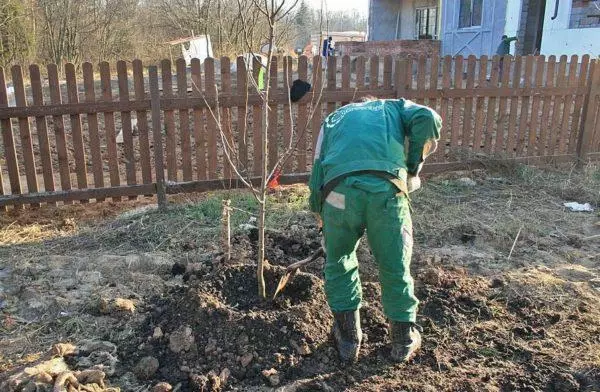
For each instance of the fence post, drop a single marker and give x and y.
(159, 165)
(590, 106)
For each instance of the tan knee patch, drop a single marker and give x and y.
(337, 200)
(407, 238)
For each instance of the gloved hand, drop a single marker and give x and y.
(413, 183)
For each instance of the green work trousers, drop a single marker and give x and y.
(367, 202)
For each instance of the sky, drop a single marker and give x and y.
(336, 5)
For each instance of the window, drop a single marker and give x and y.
(427, 21)
(470, 13)
(584, 14)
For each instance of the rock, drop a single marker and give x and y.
(124, 305)
(146, 368)
(162, 387)
(301, 348)
(91, 376)
(181, 340)
(432, 277)
(89, 346)
(466, 181)
(246, 359)
(242, 340)
(63, 349)
(211, 346)
(158, 333)
(272, 376)
(224, 376)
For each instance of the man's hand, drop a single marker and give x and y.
(414, 183)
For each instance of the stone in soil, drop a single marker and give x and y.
(146, 368)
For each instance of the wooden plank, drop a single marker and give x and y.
(273, 130)
(287, 114)
(77, 194)
(576, 122)
(142, 122)
(226, 120)
(42, 128)
(76, 133)
(242, 112)
(480, 105)
(184, 121)
(556, 131)
(433, 81)
(257, 121)
(302, 121)
(468, 113)
(360, 73)
(535, 107)
(171, 132)
(94, 134)
(421, 75)
(585, 137)
(523, 121)
(502, 115)
(10, 152)
(109, 125)
(569, 101)
(491, 108)
(25, 133)
(198, 115)
(514, 102)
(159, 162)
(542, 142)
(374, 72)
(457, 103)
(318, 85)
(59, 130)
(126, 128)
(445, 107)
(331, 81)
(387, 71)
(346, 75)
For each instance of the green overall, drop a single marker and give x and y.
(370, 137)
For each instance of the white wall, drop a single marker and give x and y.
(513, 17)
(558, 39)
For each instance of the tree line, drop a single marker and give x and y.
(60, 31)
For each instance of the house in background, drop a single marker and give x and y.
(466, 27)
(404, 20)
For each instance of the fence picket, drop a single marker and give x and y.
(374, 72)
(273, 131)
(387, 72)
(480, 105)
(514, 102)
(94, 132)
(257, 120)
(491, 108)
(457, 103)
(302, 122)
(360, 73)
(171, 134)
(126, 127)
(198, 115)
(535, 107)
(287, 117)
(142, 122)
(42, 129)
(76, 132)
(556, 131)
(577, 121)
(226, 120)
(468, 113)
(109, 124)
(318, 86)
(546, 103)
(522, 132)
(25, 133)
(421, 74)
(242, 114)
(433, 80)
(331, 81)
(346, 75)
(502, 115)
(565, 144)
(184, 120)
(10, 152)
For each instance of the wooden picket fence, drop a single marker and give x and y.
(527, 109)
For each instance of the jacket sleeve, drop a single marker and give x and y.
(317, 177)
(422, 127)
(510, 39)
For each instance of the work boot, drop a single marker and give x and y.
(347, 334)
(406, 340)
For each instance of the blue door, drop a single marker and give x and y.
(472, 26)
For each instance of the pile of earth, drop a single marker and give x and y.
(213, 333)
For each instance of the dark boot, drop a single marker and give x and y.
(347, 334)
(406, 340)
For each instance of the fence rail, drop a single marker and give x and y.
(96, 133)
